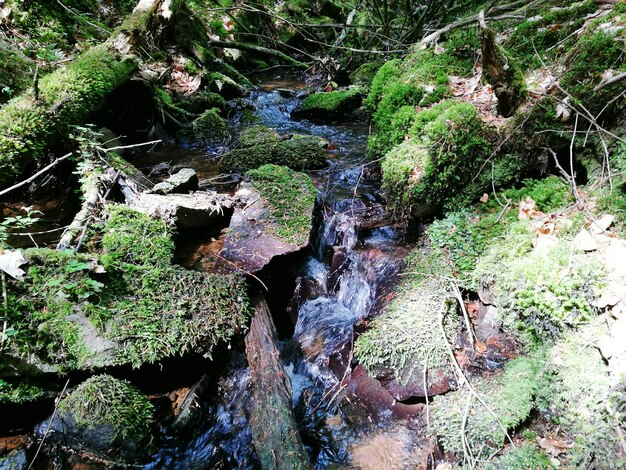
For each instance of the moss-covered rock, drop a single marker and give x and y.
(129, 305)
(333, 106)
(202, 101)
(290, 197)
(108, 416)
(405, 339)
(426, 172)
(364, 75)
(217, 82)
(210, 127)
(260, 145)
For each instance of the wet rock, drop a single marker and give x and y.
(439, 382)
(161, 169)
(369, 393)
(338, 264)
(486, 325)
(184, 181)
(333, 106)
(199, 209)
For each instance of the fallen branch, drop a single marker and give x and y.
(611, 81)
(39, 173)
(260, 49)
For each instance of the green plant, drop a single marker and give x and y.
(524, 457)
(19, 393)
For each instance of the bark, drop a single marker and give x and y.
(502, 73)
(274, 432)
(32, 121)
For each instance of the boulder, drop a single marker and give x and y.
(260, 145)
(333, 106)
(273, 217)
(199, 209)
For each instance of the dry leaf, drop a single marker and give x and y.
(484, 198)
(10, 262)
(553, 446)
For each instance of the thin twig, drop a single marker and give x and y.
(54, 413)
(39, 173)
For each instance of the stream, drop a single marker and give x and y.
(341, 280)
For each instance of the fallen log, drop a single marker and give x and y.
(260, 50)
(32, 121)
(274, 432)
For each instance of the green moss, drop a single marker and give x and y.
(203, 101)
(15, 72)
(404, 339)
(19, 393)
(577, 393)
(466, 235)
(594, 54)
(260, 145)
(543, 293)
(524, 457)
(210, 126)
(333, 105)
(66, 97)
(104, 401)
(426, 172)
(364, 75)
(510, 396)
(127, 306)
(290, 196)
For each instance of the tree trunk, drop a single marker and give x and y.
(274, 432)
(31, 121)
(501, 72)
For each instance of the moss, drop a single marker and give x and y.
(66, 97)
(290, 196)
(403, 83)
(203, 101)
(591, 57)
(210, 126)
(526, 456)
(260, 145)
(578, 396)
(542, 293)
(426, 172)
(15, 72)
(333, 105)
(404, 338)
(17, 393)
(132, 237)
(106, 402)
(509, 395)
(126, 306)
(468, 234)
(364, 75)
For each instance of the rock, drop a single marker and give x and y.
(225, 86)
(105, 415)
(200, 209)
(439, 382)
(182, 182)
(338, 264)
(273, 217)
(210, 127)
(260, 145)
(334, 106)
(486, 324)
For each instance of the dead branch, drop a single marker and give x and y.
(39, 173)
(261, 50)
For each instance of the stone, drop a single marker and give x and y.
(184, 181)
(199, 209)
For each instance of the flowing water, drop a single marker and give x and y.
(345, 276)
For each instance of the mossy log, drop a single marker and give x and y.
(274, 432)
(32, 121)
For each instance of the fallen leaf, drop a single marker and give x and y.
(553, 446)
(10, 262)
(484, 198)
(584, 241)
